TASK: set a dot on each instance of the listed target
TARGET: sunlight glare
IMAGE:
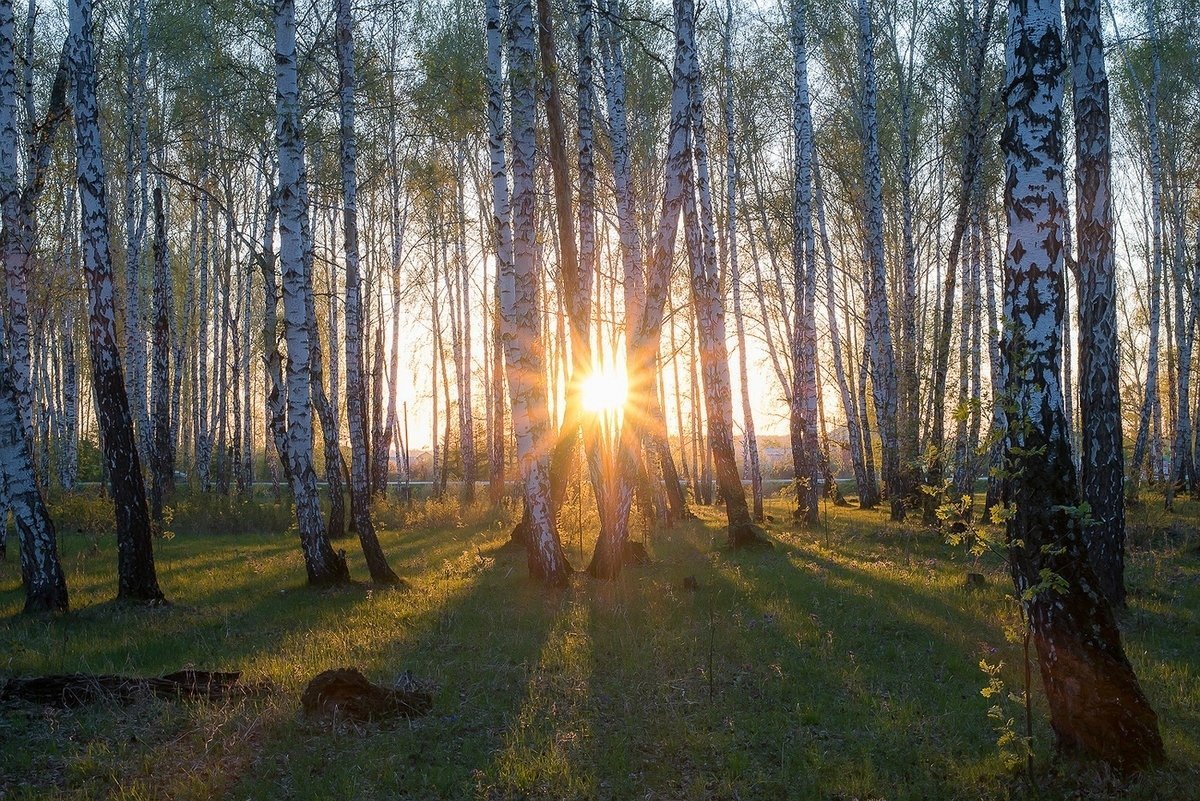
(605, 391)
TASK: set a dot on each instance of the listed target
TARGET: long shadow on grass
(473, 627)
(772, 681)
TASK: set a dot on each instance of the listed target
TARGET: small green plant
(1014, 747)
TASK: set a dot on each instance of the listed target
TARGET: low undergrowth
(844, 663)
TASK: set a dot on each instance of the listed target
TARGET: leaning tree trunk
(356, 396)
(135, 552)
(646, 285)
(1096, 704)
(1103, 458)
(41, 571)
(519, 289)
(323, 564)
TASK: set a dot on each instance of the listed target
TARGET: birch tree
(1096, 704)
(356, 396)
(162, 467)
(324, 566)
(135, 555)
(520, 285)
(750, 440)
(879, 328)
(41, 571)
(1102, 462)
(806, 452)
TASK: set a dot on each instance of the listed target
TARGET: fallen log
(79, 689)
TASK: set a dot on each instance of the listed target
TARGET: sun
(605, 390)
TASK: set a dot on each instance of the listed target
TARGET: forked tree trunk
(135, 553)
(1096, 704)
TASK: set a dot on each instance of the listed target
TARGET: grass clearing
(843, 664)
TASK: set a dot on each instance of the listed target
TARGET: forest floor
(843, 664)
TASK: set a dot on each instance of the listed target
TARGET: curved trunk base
(748, 536)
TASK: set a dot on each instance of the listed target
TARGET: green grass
(844, 664)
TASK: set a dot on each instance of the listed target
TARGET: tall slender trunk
(41, 571)
(750, 440)
(863, 480)
(972, 143)
(1146, 438)
(1096, 704)
(879, 330)
(520, 287)
(162, 479)
(356, 396)
(135, 554)
(324, 566)
(803, 413)
(136, 158)
(707, 299)
(1102, 458)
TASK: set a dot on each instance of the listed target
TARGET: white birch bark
(1102, 460)
(136, 157)
(1096, 705)
(1150, 402)
(805, 447)
(519, 295)
(41, 572)
(879, 332)
(750, 440)
(707, 298)
(356, 396)
(323, 565)
(135, 555)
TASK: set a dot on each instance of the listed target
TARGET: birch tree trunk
(136, 158)
(650, 282)
(864, 481)
(971, 164)
(879, 330)
(707, 300)
(519, 292)
(1102, 460)
(803, 418)
(1150, 401)
(162, 479)
(1096, 705)
(135, 554)
(735, 272)
(41, 572)
(324, 566)
(356, 396)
